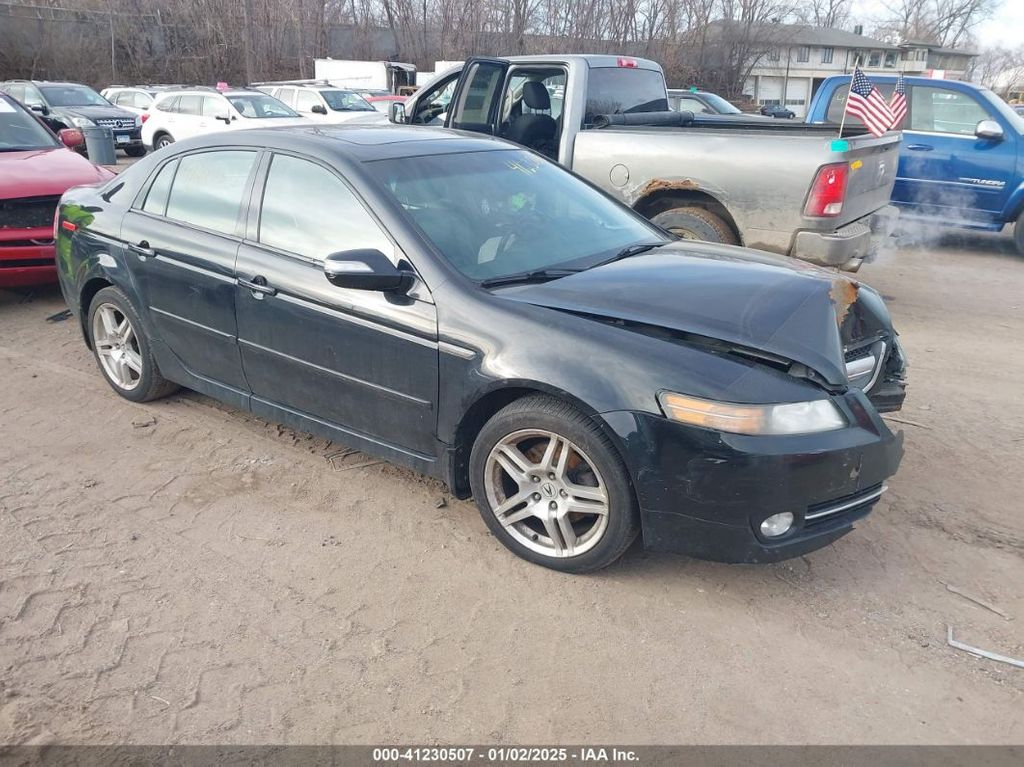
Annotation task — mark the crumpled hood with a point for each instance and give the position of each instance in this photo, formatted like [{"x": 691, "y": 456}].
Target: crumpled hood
[{"x": 773, "y": 304}]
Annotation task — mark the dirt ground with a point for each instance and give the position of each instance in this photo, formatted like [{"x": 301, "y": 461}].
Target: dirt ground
[{"x": 181, "y": 572}]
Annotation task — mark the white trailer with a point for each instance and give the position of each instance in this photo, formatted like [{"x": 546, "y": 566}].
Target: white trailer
[{"x": 388, "y": 76}]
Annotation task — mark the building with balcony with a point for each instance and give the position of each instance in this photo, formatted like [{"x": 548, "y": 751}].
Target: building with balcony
[{"x": 798, "y": 58}]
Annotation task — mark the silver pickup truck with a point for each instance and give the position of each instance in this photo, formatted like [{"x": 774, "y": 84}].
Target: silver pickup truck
[{"x": 794, "y": 189}]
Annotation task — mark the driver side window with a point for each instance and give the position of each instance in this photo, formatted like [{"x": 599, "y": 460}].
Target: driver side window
[{"x": 432, "y": 107}]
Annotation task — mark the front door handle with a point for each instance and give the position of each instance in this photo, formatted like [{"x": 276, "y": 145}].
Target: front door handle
[
  {"x": 920, "y": 147},
  {"x": 258, "y": 287},
  {"x": 142, "y": 250}
]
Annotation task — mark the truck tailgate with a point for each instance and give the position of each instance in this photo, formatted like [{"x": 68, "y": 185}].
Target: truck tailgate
[{"x": 872, "y": 163}]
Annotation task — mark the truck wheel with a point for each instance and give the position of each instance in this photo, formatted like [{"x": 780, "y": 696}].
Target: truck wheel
[
  {"x": 551, "y": 486},
  {"x": 693, "y": 223},
  {"x": 1018, "y": 234}
]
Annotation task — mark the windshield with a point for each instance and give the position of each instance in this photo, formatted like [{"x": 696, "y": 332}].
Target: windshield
[
  {"x": 497, "y": 213},
  {"x": 346, "y": 101},
  {"x": 721, "y": 106},
  {"x": 259, "y": 105},
  {"x": 20, "y": 130},
  {"x": 72, "y": 96}
]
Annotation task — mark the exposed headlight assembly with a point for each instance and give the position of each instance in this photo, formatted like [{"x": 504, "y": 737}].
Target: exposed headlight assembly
[{"x": 783, "y": 418}]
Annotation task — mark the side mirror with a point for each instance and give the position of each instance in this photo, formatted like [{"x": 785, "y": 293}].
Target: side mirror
[
  {"x": 319, "y": 109},
  {"x": 72, "y": 138},
  {"x": 225, "y": 118},
  {"x": 40, "y": 108},
  {"x": 365, "y": 269},
  {"x": 989, "y": 129},
  {"x": 396, "y": 112}
]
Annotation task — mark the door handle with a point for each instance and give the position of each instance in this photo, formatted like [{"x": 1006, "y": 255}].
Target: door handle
[
  {"x": 258, "y": 287},
  {"x": 920, "y": 147},
  {"x": 142, "y": 250}
]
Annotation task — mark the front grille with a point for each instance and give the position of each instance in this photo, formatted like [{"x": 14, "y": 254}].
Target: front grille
[
  {"x": 28, "y": 212},
  {"x": 823, "y": 512},
  {"x": 117, "y": 123}
]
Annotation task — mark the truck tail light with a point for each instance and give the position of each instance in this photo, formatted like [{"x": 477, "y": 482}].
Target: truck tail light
[
  {"x": 828, "y": 191},
  {"x": 626, "y": 61}
]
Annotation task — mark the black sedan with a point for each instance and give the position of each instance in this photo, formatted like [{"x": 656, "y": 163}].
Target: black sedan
[
  {"x": 777, "y": 111},
  {"x": 467, "y": 308}
]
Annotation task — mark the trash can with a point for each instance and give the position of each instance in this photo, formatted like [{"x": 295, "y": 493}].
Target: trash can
[{"x": 99, "y": 145}]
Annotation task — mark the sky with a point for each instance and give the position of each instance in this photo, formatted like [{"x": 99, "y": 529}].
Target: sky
[{"x": 1005, "y": 28}]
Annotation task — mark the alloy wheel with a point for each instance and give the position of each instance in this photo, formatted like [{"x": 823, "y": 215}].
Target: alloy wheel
[
  {"x": 546, "y": 492},
  {"x": 117, "y": 347}
]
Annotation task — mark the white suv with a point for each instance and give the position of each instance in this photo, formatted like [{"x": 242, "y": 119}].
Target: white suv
[
  {"x": 323, "y": 102},
  {"x": 180, "y": 114}
]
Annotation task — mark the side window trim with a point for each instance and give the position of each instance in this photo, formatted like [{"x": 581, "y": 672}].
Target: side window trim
[{"x": 256, "y": 210}]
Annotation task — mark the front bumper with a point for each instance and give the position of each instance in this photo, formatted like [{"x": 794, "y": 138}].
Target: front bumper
[
  {"x": 27, "y": 258},
  {"x": 849, "y": 246},
  {"x": 705, "y": 493}
]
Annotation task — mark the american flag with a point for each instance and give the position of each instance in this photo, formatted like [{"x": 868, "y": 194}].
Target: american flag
[
  {"x": 898, "y": 103},
  {"x": 867, "y": 103}
]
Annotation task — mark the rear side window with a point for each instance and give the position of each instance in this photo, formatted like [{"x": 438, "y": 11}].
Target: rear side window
[
  {"x": 837, "y": 103},
  {"x": 168, "y": 105},
  {"x": 156, "y": 198},
  {"x": 189, "y": 105},
  {"x": 938, "y": 110},
  {"x": 309, "y": 211},
  {"x": 622, "y": 90},
  {"x": 208, "y": 189}
]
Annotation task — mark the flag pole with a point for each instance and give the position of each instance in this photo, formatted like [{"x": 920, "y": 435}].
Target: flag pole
[{"x": 842, "y": 121}]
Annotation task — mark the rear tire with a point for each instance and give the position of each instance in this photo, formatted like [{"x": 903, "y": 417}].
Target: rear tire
[
  {"x": 122, "y": 350},
  {"x": 1018, "y": 234},
  {"x": 558, "y": 483},
  {"x": 162, "y": 140},
  {"x": 695, "y": 223}
]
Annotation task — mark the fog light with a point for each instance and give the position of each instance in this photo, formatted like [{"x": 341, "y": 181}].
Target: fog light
[{"x": 777, "y": 524}]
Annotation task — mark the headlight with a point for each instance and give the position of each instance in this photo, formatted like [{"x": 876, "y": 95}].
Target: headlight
[
  {"x": 82, "y": 122},
  {"x": 783, "y": 418},
  {"x": 138, "y": 121}
]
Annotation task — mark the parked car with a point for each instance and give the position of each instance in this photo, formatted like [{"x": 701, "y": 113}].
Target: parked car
[
  {"x": 423, "y": 295},
  {"x": 962, "y": 158},
  {"x": 700, "y": 102},
  {"x": 36, "y": 167},
  {"x": 322, "y": 102},
  {"x": 786, "y": 188},
  {"x": 135, "y": 98},
  {"x": 183, "y": 113},
  {"x": 777, "y": 111},
  {"x": 72, "y": 105}
]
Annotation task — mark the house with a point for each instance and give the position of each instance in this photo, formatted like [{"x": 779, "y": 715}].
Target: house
[{"x": 800, "y": 57}]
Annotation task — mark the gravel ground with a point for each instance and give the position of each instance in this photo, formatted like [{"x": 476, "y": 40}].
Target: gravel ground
[{"x": 181, "y": 572}]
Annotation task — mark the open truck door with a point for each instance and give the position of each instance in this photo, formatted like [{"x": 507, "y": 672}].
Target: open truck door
[{"x": 477, "y": 99}]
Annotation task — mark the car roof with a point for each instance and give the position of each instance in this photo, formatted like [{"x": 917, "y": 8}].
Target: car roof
[{"x": 353, "y": 143}]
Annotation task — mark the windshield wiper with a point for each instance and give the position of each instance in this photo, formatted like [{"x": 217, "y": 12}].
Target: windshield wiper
[
  {"x": 631, "y": 250},
  {"x": 536, "y": 275}
]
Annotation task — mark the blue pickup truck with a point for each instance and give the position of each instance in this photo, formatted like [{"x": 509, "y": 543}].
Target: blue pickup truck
[{"x": 962, "y": 158}]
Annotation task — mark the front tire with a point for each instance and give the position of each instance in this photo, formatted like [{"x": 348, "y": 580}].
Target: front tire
[
  {"x": 1018, "y": 234},
  {"x": 551, "y": 486},
  {"x": 135, "y": 151},
  {"x": 122, "y": 349},
  {"x": 691, "y": 222}
]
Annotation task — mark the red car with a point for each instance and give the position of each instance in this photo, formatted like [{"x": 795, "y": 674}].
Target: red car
[{"x": 36, "y": 168}]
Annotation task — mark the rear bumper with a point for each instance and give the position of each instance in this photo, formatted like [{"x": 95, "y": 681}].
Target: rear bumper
[
  {"x": 849, "y": 246},
  {"x": 705, "y": 493},
  {"x": 26, "y": 264}
]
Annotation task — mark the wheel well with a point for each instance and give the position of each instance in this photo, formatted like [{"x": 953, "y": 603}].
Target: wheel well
[
  {"x": 481, "y": 411},
  {"x": 660, "y": 201},
  {"x": 89, "y": 291}
]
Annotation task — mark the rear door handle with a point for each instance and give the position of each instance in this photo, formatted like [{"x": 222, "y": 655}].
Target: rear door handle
[
  {"x": 142, "y": 250},
  {"x": 920, "y": 147},
  {"x": 258, "y": 287}
]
